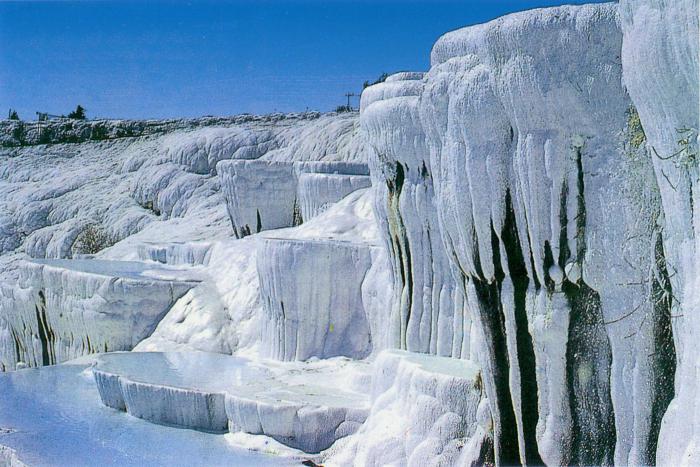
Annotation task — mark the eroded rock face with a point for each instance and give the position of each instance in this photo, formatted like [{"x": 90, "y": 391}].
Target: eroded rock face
[
  {"x": 526, "y": 137},
  {"x": 260, "y": 195},
  {"x": 272, "y": 194},
  {"x": 316, "y": 192},
  {"x": 62, "y": 309},
  {"x": 660, "y": 63},
  {"x": 155, "y": 195},
  {"x": 522, "y": 148},
  {"x": 320, "y": 295}
]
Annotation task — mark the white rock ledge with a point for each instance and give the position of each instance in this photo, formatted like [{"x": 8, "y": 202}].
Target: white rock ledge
[
  {"x": 260, "y": 195},
  {"x": 174, "y": 253},
  {"x": 63, "y": 309},
  {"x": 312, "y": 298},
  {"x": 265, "y": 194},
  {"x": 316, "y": 191},
  {"x": 272, "y": 399}
]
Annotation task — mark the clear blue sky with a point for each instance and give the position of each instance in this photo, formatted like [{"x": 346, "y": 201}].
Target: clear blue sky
[{"x": 169, "y": 58}]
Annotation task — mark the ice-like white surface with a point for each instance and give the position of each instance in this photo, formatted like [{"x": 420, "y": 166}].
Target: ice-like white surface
[
  {"x": 303, "y": 405},
  {"x": 532, "y": 210},
  {"x": 222, "y": 312},
  {"x": 351, "y": 220},
  {"x": 335, "y": 167},
  {"x": 160, "y": 196},
  {"x": 61, "y": 309},
  {"x": 272, "y": 194},
  {"x": 329, "y": 138},
  {"x": 428, "y": 312},
  {"x": 312, "y": 297},
  {"x": 52, "y": 416},
  {"x": 425, "y": 410},
  {"x": 314, "y": 282},
  {"x": 174, "y": 253},
  {"x": 520, "y": 147},
  {"x": 316, "y": 192}
]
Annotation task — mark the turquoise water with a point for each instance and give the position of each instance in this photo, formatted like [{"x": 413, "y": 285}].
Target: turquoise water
[
  {"x": 125, "y": 269},
  {"x": 53, "y": 416},
  {"x": 202, "y": 371}
]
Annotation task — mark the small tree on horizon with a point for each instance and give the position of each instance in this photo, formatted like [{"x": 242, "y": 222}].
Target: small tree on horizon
[
  {"x": 13, "y": 115},
  {"x": 78, "y": 113}
]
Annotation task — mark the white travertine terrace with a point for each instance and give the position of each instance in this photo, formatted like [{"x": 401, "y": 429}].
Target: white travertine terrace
[{"x": 505, "y": 245}]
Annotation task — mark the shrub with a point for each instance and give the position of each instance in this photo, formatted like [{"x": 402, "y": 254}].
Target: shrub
[
  {"x": 99, "y": 132},
  {"x": 343, "y": 108},
  {"x": 19, "y": 133},
  {"x": 92, "y": 239},
  {"x": 13, "y": 115}
]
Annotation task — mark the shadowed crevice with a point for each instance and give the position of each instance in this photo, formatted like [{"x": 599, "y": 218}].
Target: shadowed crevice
[
  {"x": 588, "y": 362},
  {"x": 526, "y": 353},
  {"x": 400, "y": 247},
  {"x": 663, "y": 358}
]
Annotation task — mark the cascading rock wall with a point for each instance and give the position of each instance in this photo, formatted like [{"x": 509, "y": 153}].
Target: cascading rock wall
[{"x": 519, "y": 173}]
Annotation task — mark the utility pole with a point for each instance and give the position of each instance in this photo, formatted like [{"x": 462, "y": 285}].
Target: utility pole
[{"x": 349, "y": 95}]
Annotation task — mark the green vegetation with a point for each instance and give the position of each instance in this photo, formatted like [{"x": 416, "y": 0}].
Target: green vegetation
[
  {"x": 78, "y": 113},
  {"x": 19, "y": 133},
  {"x": 99, "y": 132},
  {"x": 688, "y": 154},
  {"x": 92, "y": 239},
  {"x": 13, "y": 115},
  {"x": 635, "y": 133}
]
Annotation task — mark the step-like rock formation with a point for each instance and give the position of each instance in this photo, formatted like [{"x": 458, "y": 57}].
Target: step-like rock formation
[
  {"x": 316, "y": 192},
  {"x": 153, "y": 196},
  {"x": 312, "y": 297},
  {"x": 301, "y": 405},
  {"x": 312, "y": 281},
  {"x": 221, "y": 313},
  {"x": 62, "y": 309},
  {"x": 53, "y": 416},
  {"x": 260, "y": 195},
  {"x": 271, "y": 194},
  {"x": 533, "y": 235},
  {"x": 180, "y": 253}
]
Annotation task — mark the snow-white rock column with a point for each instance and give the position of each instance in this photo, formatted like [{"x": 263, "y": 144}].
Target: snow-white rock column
[
  {"x": 660, "y": 63},
  {"x": 525, "y": 120},
  {"x": 428, "y": 308}
]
